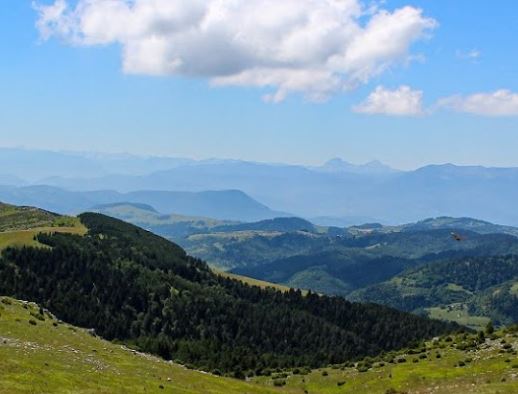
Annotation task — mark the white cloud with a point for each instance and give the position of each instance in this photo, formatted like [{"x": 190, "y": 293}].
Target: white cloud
[
  {"x": 472, "y": 54},
  {"x": 502, "y": 102},
  {"x": 400, "y": 102},
  {"x": 51, "y": 19},
  {"x": 314, "y": 47}
]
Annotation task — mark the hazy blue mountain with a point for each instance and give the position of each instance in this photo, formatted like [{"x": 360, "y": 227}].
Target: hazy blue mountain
[
  {"x": 373, "y": 167},
  {"x": 38, "y": 165},
  {"x": 337, "y": 189},
  {"x": 32, "y": 165},
  {"x": 226, "y": 204},
  {"x": 446, "y": 190},
  {"x": 52, "y": 198},
  {"x": 288, "y": 188},
  {"x": 136, "y": 165},
  {"x": 388, "y": 196}
]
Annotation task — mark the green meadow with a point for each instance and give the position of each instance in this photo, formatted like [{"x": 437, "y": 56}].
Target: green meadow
[{"x": 40, "y": 354}]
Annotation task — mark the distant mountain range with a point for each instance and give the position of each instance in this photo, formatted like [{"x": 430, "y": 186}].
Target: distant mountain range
[
  {"x": 337, "y": 192},
  {"x": 337, "y": 165},
  {"x": 226, "y": 204}
]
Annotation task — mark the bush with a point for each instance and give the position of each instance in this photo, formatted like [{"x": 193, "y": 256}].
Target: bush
[
  {"x": 267, "y": 372},
  {"x": 32, "y": 322},
  {"x": 279, "y": 382},
  {"x": 38, "y": 316},
  {"x": 238, "y": 374},
  {"x": 325, "y": 373},
  {"x": 340, "y": 383}
]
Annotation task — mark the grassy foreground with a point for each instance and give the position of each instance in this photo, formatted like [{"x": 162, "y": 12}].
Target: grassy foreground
[
  {"x": 47, "y": 356},
  {"x": 450, "y": 365}
]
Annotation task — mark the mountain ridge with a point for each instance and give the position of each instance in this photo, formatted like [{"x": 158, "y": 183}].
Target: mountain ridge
[{"x": 224, "y": 204}]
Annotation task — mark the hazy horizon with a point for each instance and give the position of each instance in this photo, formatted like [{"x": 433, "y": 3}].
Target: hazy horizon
[{"x": 308, "y": 164}]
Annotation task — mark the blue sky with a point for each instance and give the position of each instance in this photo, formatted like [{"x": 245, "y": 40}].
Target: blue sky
[{"x": 67, "y": 95}]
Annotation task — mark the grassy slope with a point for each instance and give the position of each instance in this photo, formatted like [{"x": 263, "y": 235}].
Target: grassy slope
[
  {"x": 251, "y": 281},
  {"x": 458, "y": 313},
  {"x": 22, "y": 218},
  {"x": 491, "y": 370},
  {"x": 44, "y": 358},
  {"x": 58, "y": 358},
  {"x": 19, "y": 225},
  {"x": 26, "y": 237}
]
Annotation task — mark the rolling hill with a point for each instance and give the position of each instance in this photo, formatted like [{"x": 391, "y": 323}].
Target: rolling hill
[
  {"x": 20, "y": 225},
  {"x": 174, "y": 227},
  {"x": 138, "y": 288},
  {"x": 350, "y": 262},
  {"x": 480, "y": 286}
]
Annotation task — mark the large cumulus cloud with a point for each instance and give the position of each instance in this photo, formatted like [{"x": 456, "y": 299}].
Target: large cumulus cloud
[{"x": 314, "y": 47}]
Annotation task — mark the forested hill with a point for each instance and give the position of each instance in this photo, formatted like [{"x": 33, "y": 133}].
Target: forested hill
[
  {"x": 486, "y": 286},
  {"x": 134, "y": 286}
]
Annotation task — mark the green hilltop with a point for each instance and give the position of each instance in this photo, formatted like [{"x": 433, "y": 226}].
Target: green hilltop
[{"x": 19, "y": 226}]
